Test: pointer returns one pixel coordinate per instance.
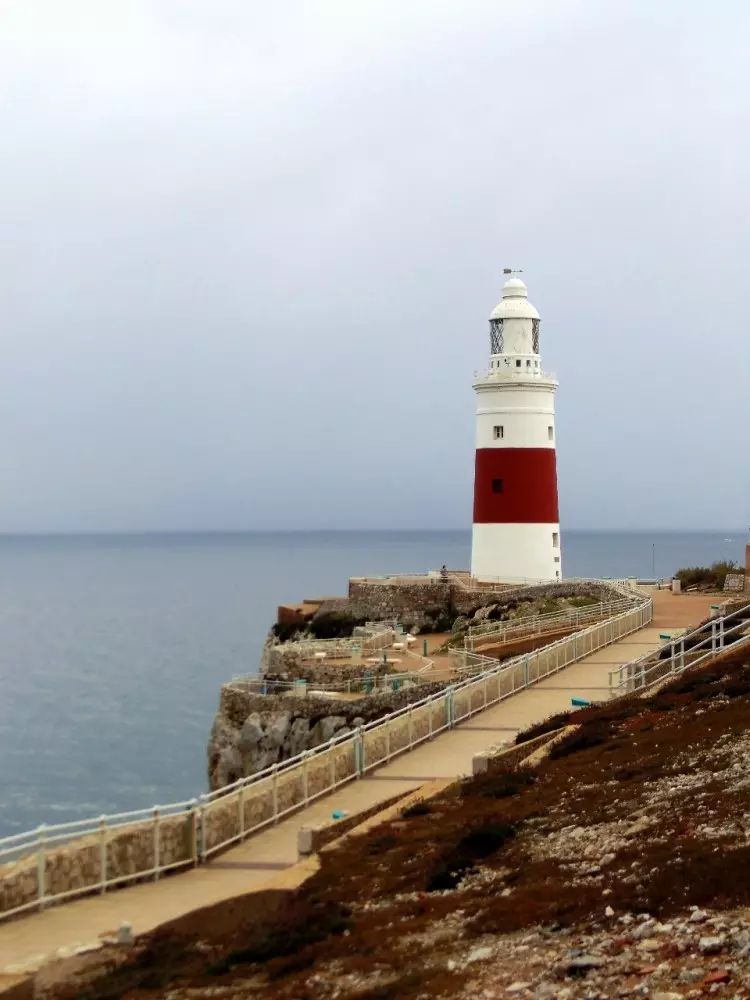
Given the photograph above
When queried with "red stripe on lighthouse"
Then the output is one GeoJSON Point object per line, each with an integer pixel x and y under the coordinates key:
{"type": "Point", "coordinates": [515, 486]}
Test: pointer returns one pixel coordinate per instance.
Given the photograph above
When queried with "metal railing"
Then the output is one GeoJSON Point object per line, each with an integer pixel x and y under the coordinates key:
{"type": "Point", "coordinates": [189, 833]}
{"type": "Point", "coordinates": [367, 638]}
{"type": "Point", "coordinates": [513, 375]}
{"type": "Point", "coordinates": [354, 685]}
{"type": "Point", "coordinates": [535, 624]}
{"type": "Point", "coordinates": [685, 651]}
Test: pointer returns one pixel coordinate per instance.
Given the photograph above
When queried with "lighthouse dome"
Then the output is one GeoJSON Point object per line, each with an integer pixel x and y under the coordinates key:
{"type": "Point", "coordinates": [515, 303]}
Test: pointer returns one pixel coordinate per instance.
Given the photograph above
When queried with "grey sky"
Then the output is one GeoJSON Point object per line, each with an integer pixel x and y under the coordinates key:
{"type": "Point", "coordinates": [249, 250]}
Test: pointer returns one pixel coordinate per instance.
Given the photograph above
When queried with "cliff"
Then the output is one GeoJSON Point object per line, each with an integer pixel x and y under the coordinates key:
{"type": "Point", "coordinates": [615, 867]}
{"type": "Point", "coordinates": [253, 731]}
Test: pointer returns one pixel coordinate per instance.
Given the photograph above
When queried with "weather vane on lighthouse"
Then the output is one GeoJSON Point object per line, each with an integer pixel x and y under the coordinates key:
{"type": "Point", "coordinates": [512, 271]}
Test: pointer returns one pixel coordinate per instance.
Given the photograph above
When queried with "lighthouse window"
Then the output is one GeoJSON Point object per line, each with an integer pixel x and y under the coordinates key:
{"type": "Point", "coordinates": [497, 486]}
{"type": "Point", "coordinates": [550, 433]}
{"type": "Point", "coordinates": [499, 432]}
{"type": "Point", "coordinates": [555, 539]}
{"type": "Point", "coordinates": [518, 364]}
{"type": "Point", "coordinates": [528, 364]}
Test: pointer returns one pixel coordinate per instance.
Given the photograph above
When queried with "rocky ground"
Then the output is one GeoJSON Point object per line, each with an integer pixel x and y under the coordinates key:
{"type": "Point", "coordinates": [620, 867]}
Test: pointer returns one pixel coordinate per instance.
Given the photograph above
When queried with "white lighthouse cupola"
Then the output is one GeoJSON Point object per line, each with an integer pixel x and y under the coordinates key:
{"type": "Point", "coordinates": [516, 531]}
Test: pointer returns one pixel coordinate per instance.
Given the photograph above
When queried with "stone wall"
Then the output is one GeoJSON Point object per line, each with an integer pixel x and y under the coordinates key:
{"type": "Point", "coordinates": [409, 602]}
{"type": "Point", "coordinates": [329, 671]}
{"type": "Point", "coordinates": [253, 731]}
{"type": "Point", "coordinates": [76, 867]}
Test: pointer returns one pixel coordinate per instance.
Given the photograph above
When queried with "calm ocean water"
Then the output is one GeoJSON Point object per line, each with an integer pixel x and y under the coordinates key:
{"type": "Point", "coordinates": [112, 649]}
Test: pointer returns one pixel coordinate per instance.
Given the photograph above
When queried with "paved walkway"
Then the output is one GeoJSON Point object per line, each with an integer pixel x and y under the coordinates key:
{"type": "Point", "coordinates": [27, 942]}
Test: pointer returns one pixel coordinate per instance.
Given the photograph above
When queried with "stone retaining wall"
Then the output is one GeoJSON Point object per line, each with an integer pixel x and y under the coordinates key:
{"type": "Point", "coordinates": [76, 867]}
{"type": "Point", "coordinates": [409, 602]}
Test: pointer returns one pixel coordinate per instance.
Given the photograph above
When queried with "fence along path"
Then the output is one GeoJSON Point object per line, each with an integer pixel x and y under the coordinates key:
{"type": "Point", "coordinates": [252, 864]}
{"type": "Point", "coordinates": [60, 862]}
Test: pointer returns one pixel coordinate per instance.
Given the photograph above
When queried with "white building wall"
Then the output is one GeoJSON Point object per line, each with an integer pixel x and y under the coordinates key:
{"type": "Point", "coordinates": [524, 551]}
{"type": "Point", "coordinates": [526, 416]}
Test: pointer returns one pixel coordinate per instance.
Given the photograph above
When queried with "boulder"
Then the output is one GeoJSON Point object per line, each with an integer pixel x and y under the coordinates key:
{"type": "Point", "coordinates": [276, 726]}
{"type": "Point", "coordinates": [297, 738]}
{"type": "Point", "coordinates": [327, 727]}
{"type": "Point", "coordinates": [229, 767]}
{"type": "Point", "coordinates": [252, 733]}
{"type": "Point", "coordinates": [223, 733]}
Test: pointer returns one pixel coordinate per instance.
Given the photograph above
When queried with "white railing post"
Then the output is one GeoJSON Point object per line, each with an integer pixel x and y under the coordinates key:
{"type": "Point", "coordinates": [103, 853]}
{"type": "Point", "coordinates": [201, 838]}
{"type": "Point", "coordinates": [157, 852]}
{"type": "Point", "coordinates": [713, 636]}
{"type": "Point", "coordinates": [331, 764]}
{"type": "Point", "coordinates": [682, 654]}
{"type": "Point", "coordinates": [411, 728]}
{"type": "Point", "coordinates": [41, 866]}
{"type": "Point", "coordinates": [241, 811]}
{"type": "Point", "coordinates": [388, 737]}
{"type": "Point", "coordinates": [275, 793]}
{"type": "Point", "coordinates": [305, 784]}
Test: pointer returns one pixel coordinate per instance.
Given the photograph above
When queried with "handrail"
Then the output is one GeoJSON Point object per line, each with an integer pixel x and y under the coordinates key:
{"type": "Point", "coordinates": [370, 684]}
{"type": "Point", "coordinates": [643, 672]}
{"type": "Point", "coordinates": [576, 615]}
{"type": "Point", "coordinates": [365, 748]}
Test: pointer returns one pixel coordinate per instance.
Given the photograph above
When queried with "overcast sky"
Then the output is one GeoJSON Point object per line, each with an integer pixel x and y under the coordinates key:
{"type": "Point", "coordinates": [249, 250]}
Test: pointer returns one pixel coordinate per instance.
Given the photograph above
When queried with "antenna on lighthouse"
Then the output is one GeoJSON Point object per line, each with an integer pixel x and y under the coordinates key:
{"type": "Point", "coordinates": [512, 270]}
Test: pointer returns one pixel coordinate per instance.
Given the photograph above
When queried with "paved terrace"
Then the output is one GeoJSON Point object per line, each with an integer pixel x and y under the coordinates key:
{"type": "Point", "coordinates": [26, 942]}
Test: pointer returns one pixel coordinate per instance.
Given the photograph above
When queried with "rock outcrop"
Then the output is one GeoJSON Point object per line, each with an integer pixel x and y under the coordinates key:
{"type": "Point", "coordinates": [251, 731]}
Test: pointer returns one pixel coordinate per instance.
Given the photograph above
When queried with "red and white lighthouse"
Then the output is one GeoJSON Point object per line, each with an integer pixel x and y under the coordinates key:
{"type": "Point", "coordinates": [516, 531]}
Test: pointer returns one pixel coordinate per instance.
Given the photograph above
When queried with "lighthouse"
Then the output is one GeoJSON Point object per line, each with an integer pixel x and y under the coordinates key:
{"type": "Point", "coordinates": [516, 530]}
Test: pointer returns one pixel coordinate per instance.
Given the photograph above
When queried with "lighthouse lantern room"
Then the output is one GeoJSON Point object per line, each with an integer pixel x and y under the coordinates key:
{"type": "Point", "coordinates": [516, 530]}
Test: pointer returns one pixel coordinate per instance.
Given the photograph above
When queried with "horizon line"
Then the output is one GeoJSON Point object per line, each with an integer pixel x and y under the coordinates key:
{"type": "Point", "coordinates": [181, 532]}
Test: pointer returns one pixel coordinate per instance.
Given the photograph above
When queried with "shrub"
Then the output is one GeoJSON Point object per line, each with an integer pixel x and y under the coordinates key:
{"type": "Point", "coordinates": [547, 725]}
{"type": "Point", "coordinates": [477, 844]}
{"type": "Point", "coordinates": [707, 577]}
{"type": "Point", "coordinates": [334, 625]}
{"type": "Point", "coordinates": [501, 785]}
{"type": "Point", "coordinates": [416, 809]}
{"type": "Point", "coordinates": [593, 734]}
{"type": "Point", "coordinates": [585, 601]}
{"type": "Point", "coordinates": [284, 631]}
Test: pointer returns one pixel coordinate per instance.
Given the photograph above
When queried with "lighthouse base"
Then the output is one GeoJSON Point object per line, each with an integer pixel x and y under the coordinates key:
{"type": "Point", "coordinates": [516, 553]}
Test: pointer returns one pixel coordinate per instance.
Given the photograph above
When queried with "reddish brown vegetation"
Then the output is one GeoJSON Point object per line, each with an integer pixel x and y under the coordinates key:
{"type": "Point", "coordinates": [662, 779]}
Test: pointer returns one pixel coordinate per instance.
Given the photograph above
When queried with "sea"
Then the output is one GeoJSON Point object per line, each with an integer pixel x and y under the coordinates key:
{"type": "Point", "coordinates": [113, 648]}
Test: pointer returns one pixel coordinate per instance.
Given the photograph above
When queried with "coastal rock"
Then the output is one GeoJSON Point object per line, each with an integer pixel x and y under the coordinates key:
{"type": "Point", "coordinates": [223, 734]}
{"type": "Point", "coordinates": [252, 733]}
{"type": "Point", "coordinates": [276, 726]}
{"type": "Point", "coordinates": [298, 738]}
{"type": "Point", "coordinates": [710, 945]}
{"type": "Point", "coordinates": [229, 766]}
{"type": "Point", "coordinates": [323, 730]}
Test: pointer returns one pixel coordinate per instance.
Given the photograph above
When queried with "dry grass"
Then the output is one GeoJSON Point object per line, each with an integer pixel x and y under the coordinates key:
{"type": "Point", "coordinates": [659, 785]}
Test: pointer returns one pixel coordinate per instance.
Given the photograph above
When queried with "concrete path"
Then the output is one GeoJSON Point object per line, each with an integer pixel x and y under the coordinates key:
{"type": "Point", "coordinates": [26, 942]}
